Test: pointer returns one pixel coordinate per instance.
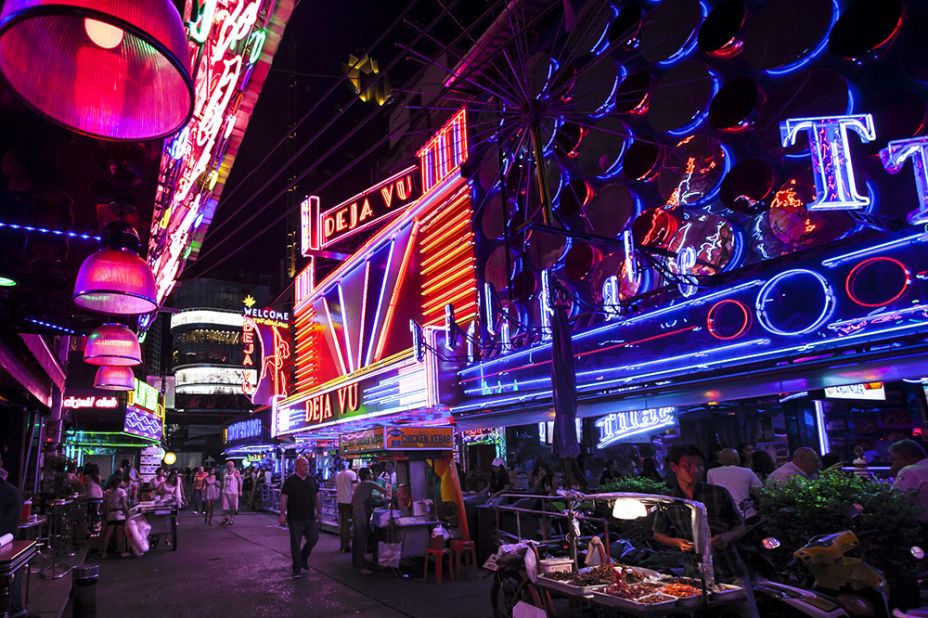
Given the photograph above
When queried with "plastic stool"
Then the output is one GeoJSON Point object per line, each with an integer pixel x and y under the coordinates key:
{"type": "Point", "coordinates": [437, 552]}
{"type": "Point", "coordinates": [463, 548]}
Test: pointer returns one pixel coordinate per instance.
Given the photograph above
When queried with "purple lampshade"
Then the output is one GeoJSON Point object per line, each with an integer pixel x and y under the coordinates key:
{"type": "Point", "coordinates": [113, 344]}
{"type": "Point", "coordinates": [116, 281]}
{"type": "Point", "coordinates": [115, 69]}
{"type": "Point", "coordinates": [111, 378]}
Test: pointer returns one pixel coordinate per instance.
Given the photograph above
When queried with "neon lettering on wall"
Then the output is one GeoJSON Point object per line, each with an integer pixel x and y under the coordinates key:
{"type": "Point", "coordinates": [243, 430]}
{"type": "Point", "coordinates": [619, 425]}
{"type": "Point", "coordinates": [546, 310]}
{"type": "Point", "coordinates": [894, 156]}
{"type": "Point", "coordinates": [341, 401]}
{"type": "Point", "coordinates": [360, 212]}
{"type": "Point", "coordinates": [832, 167]}
{"type": "Point", "coordinates": [309, 212]}
{"type": "Point", "coordinates": [90, 401]}
{"type": "Point", "coordinates": [610, 293]}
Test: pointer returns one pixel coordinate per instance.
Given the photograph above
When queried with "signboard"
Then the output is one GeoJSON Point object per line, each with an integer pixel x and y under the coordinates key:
{"type": "Point", "coordinates": [388, 197]}
{"type": "Point", "coordinates": [251, 430]}
{"type": "Point", "coordinates": [145, 396]}
{"type": "Point", "coordinates": [90, 401]}
{"type": "Point", "coordinates": [483, 435]}
{"type": "Point", "coordinates": [149, 462]}
{"type": "Point", "coordinates": [142, 423]}
{"type": "Point", "coordinates": [872, 391]}
{"type": "Point", "coordinates": [621, 425]}
{"type": "Point", "coordinates": [360, 442]}
{"type": "Point", "coordinates": [265, 344]}
{"type": "Point", "coordinates": [420, 438]}
{"type": "Point", "coordinates": [398, 387]}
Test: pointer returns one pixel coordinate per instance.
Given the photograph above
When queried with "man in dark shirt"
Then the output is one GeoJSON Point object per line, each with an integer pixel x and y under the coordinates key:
{"type": "Point", "coordinates": [301, 509]}
{"type": "Point", "coordinates": [362, 507]}
{"type": "Point", "coordinates": [673, 525]}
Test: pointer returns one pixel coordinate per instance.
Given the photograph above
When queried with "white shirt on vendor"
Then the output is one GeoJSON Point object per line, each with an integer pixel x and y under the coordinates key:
{"type": "Point", "coordinates": [739, 481]}
{"type": "Point", "coordinates": [784, 473]}
{"type": "Point", "coordinates": [344, 485]}
{"type": "Point", "coordinates": [914, 479]}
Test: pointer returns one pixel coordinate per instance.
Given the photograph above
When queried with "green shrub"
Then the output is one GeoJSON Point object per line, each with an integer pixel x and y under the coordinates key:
{"type": "Point", "coordinates": [798, 510]}
{"type": "Point", "coordinates": [634, 484]}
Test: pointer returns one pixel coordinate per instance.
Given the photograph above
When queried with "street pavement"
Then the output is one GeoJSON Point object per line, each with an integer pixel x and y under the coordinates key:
{"type": "Point", "coordinates": [244, 570]}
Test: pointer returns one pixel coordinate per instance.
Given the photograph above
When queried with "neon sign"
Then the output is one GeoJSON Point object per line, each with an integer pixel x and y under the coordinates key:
{"type": "Point", "coordinates": [445, 152]}
{"type": "Point", "coordinates": [264, 337]}
{"type": "Point", "coordinates": [233, 43]}
{"type": "Point", "coordinates": [145, 396]}
{"type": "Point", "coordinates": [242, 430]}
{"type": "Point", "coordinates": [90, 401]}
{"type": "Point", "coordinates": [893, 157]}
{"type": "Point", "coordinates": [386, 198]}
{"type": "Point", "coordinates": [620, 425]}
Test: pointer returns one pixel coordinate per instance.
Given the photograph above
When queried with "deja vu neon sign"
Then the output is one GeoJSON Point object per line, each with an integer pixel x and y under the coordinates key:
{"type": "Point", "coordinates": [833, 169]}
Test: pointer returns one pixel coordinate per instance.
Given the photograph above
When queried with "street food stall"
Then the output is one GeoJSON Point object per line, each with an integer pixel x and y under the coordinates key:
{"type": "Point", "coordinates": [591, 522]}
{"type": "Point", "coordinates": [423, 488]}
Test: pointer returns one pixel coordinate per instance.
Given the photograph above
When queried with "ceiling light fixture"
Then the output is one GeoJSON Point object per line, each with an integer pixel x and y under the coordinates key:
{"type": "Point", "coordinates": [115, 279]}
{"type": "Point", "coordinates": [113, 344]}
{"type": "Point", "coordinates": [111, 378]}
{"type": "Point", "coordinates": [107, 68]}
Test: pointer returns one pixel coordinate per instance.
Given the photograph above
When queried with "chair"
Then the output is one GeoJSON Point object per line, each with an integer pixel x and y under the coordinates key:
{"type": "Point", "coordinates": [438, 553]}
{"type": "Point", "coordinates": [463, 548]}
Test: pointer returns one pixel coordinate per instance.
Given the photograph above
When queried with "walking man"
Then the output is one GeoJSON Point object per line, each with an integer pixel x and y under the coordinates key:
{"type": "Point", "coordinates": [231, 490]}
{"type": "Point", "coordinates": [301, 509]}
{"type": "Point", "coordinates": [199, 490]}
{"type": "Point", "coordinates": [344, 485]}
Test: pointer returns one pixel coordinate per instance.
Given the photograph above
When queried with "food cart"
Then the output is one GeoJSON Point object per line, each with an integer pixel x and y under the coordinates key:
{"type": "Point", "coordinates": [572, 519]}
{"type": "Point", "coordinates": [427, 490]}
{"type": "Point", "coordinates": [162, 517]}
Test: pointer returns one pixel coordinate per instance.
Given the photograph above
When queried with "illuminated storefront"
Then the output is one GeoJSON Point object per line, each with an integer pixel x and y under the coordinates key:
{"type": "Point", "coordinates": [367, 335]}
{"type": "Point", "coordinates": [713, 237]}
{"type": "Point", "coordinates": [106, 428]}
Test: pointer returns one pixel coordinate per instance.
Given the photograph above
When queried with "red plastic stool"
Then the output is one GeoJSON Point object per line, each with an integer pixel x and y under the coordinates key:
{"type": "Point", "coordinates": [463, 548]}
{"type": "Point", "coordinates": [437, 552]}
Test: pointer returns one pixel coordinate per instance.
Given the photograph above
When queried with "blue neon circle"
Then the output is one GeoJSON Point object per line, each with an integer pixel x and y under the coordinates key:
{"type": "Point", "coordinates": [766, 296]}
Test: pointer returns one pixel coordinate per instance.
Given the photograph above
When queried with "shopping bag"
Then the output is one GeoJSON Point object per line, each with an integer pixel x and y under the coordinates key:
{"type": "Point", "coordinates": [137, 529]}
{"type": "Point", "coordinates": [389, 554]}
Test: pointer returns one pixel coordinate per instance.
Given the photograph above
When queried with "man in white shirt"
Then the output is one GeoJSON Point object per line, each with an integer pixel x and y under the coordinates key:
{"type": "Point", "coordinates": [910, 466]}
{"type": "Point", "coordinates": [739, 481]}
{"type": "Point", "coordinates": [805, 463]}
{"type": "Point", "coordinates": [345, 481]}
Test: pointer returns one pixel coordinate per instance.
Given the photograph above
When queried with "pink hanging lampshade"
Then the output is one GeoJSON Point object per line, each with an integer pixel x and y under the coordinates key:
{"type": "Point", "coordinates": [115, 280]}
{"type": "Point", "coordinates": [116, 69]}
{"type": "Point", "coordinates": [111, 378]}
{"type": "Point", "coordinates": [113, 344]}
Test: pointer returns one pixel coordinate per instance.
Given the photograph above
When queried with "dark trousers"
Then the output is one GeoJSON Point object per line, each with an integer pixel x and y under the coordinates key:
{"type": "Point", "coordinates": [198, 500]}
{"type": "Point", "coordinates": [308, 528]}
{"type": "Point", "coordinates": [362, 534]}
{"type": "Point", "coordinates": [344, 525]}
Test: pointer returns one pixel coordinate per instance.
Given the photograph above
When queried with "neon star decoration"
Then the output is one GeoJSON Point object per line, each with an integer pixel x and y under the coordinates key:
{"type": "Point", "coordinates": [832, 167]}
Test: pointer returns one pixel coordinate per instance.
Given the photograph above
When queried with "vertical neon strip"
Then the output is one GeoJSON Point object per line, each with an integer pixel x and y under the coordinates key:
{"type": "Point", "coordinates": [382, 339]}
{"type": "Point", "coordinates": [335, 338]}
{"type": "Point", "coordinates": [471, 341]}
{"type": "Point", "coordinates": [367, 273]}
{"type": "Point", "coordinates": [489, 314]}
{"type": "Point", "coordinates": [345, 329]}
{"type": "Point", "coordinates": [442, 151]}
{"type": "Point", "coordinates": [545, 305]}
{"type": "Point", "coordinates": [383, 288]}
{"type": "Point", "coordinates": [823, 443]}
